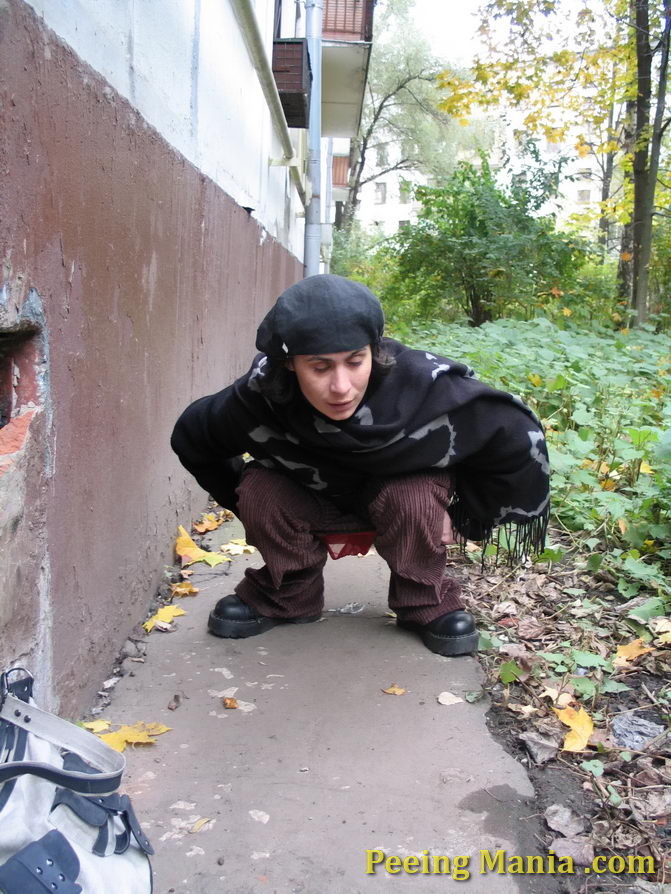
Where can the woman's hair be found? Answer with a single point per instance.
(278, 383)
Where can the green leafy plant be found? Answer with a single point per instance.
(480, 249)
(605, 400)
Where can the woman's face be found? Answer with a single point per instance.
(334, 383)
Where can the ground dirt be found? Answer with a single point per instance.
(531, 616)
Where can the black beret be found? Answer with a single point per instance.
(322, 314)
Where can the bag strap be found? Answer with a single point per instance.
(108, 763)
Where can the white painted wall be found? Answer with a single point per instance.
(184, 66)
(386, 217)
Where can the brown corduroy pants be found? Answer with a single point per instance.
(282, 519)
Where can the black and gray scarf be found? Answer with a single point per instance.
(427, 412)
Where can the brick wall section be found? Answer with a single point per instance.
(152, 281)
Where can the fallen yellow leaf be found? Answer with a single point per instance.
(230, 702)
(209, 522)
(394, 689)
(630, 652)
(166, 614)
(212, 559)
(189, 553)
(156, 729)
(184, 543)
(97, 726)
(114, 740)
(646, 469)
(184, 588)
(135, 735)
(581, 727)
(139, 733)
(197, 826)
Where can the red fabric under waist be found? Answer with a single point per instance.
(347, 543)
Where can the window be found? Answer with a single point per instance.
(380, 193)
(408, 149)
(585, 174)
(403, 223)
(583, 196)
(382, 156)
(404, 192)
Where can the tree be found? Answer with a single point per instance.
(565, 71)
(400, 110)
(651, 89)
(602, 74)
(482, 247)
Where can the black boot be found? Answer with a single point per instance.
(233, 618)
(451, 634)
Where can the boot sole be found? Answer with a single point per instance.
(242, 629)
(465, 644)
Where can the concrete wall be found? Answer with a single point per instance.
(132, 282)
(184, 66)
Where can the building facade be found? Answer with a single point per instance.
(152, 208)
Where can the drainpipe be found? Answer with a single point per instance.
(313, 233)
(244, 12)
(327, 226)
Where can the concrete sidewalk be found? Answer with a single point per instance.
(317, 768)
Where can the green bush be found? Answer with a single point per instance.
(605, 400)
(479, 251)
(363, 255)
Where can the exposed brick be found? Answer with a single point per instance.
(13, 435)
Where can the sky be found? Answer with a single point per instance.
(449, 26)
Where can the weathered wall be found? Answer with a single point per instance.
(185, 67)
(152, 281)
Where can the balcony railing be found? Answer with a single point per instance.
(340, 176)
(348, 20)
(291, 67)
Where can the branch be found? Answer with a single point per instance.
(427, 108)
(403, 165)
(400, 86)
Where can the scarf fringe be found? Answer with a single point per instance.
(515, 541)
